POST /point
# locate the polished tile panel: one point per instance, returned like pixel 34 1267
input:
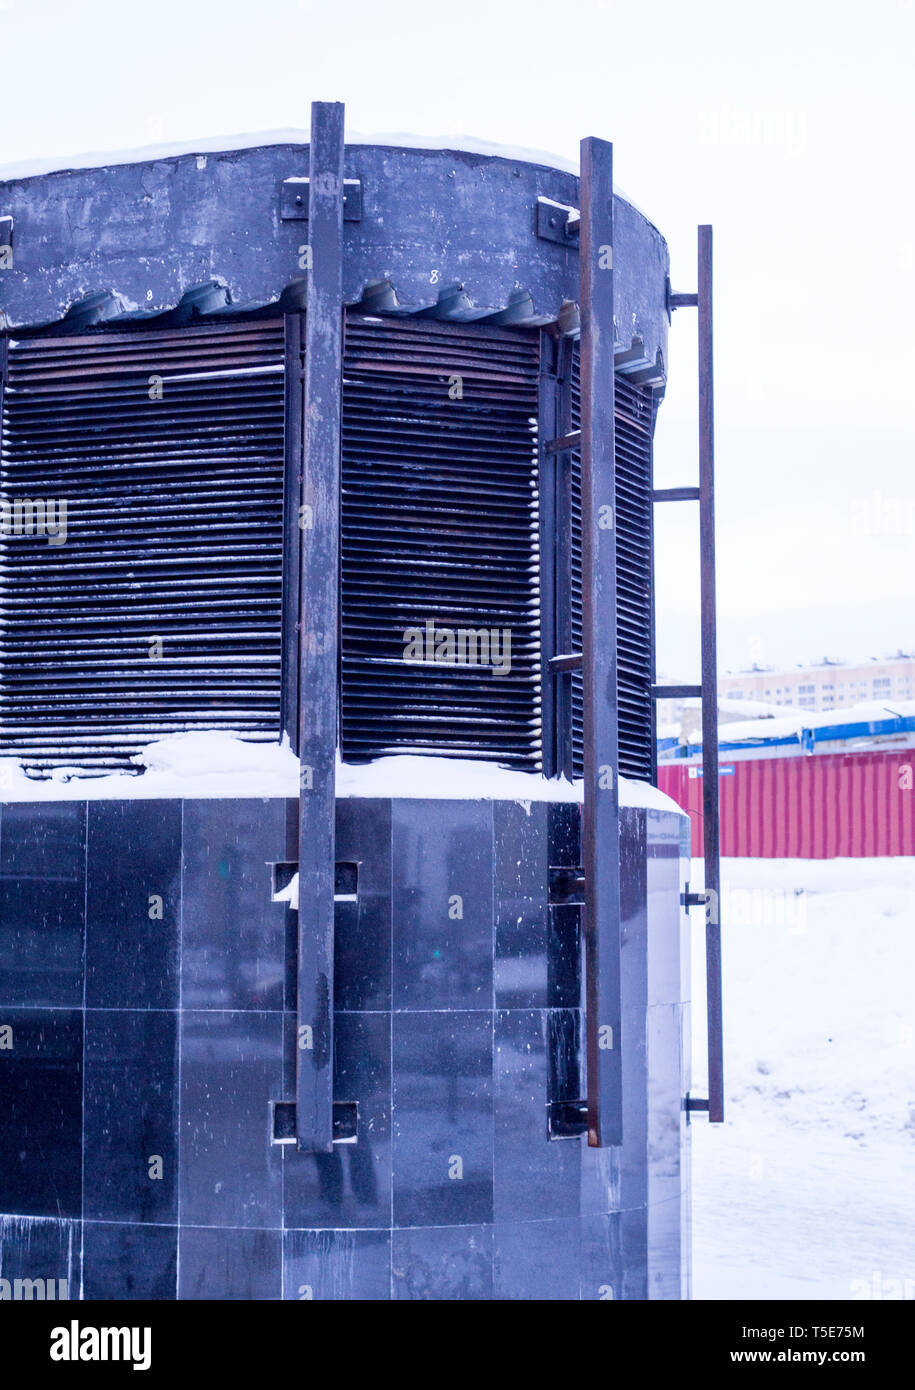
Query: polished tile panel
pixel 130 1262
pixel 565 982
pixel 443 904
pixel 520 847
pixel 231 1068
pixel 130 1170
pixel 133 904
pixel 601 1258
pixel 233 951
pixel 564 834
pixel 42 903
pixel 534 1177
pixel 352 1186
pixel 522 952
pixel 228 1264
pixel 337 1265
pixel 41 1248
pixel 452 1263
pixel 536 1260
pixel 565 1055
pixel 443 1118
pixel 458 993
pixel 362 932
pixel 41 1085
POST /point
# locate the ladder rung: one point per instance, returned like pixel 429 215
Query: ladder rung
pixel 676 692
pixel 675 494
pixel 572 662
pixel 565 441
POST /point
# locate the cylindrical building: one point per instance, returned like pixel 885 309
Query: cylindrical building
pixel 300 619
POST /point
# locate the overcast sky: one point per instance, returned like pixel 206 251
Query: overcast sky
pixel 788 125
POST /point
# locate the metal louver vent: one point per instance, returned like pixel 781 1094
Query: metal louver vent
pixel 634 430
pixel 439 524
pixel 174 532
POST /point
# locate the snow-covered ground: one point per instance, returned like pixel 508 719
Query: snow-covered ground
pixel 808 1189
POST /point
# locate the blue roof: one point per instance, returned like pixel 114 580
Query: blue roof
pixel 806 737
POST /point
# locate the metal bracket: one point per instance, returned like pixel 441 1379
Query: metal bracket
pixel 569 661
pixel 565 443
pixel 567 1119
pixel 346 878
pixel 294 200
pixel 567 886
pixel 676 692
pixel 556 222
pixel 675 494
pixel 345 1121
pixel 675 300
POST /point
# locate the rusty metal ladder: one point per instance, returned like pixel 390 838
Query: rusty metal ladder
pixel 707 691
pixel 600 880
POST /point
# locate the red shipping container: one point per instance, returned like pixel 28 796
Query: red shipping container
pixel 823 806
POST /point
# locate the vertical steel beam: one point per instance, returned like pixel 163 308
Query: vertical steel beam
pixel 319 627
pixel 710 784
pixel 601 836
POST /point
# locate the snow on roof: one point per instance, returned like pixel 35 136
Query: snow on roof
pixel 793 721
pixel 752 709
pixel 222 144
pixel 668 730
pixel 751 729
pixel 226 144
pixel 212 764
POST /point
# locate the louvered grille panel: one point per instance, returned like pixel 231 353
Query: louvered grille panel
pixel 439 524
pixel 634 426
pixel 174 531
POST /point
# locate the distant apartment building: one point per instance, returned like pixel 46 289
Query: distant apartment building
pixel 825 685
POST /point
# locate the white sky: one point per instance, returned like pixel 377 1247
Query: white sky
pixel 788 125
